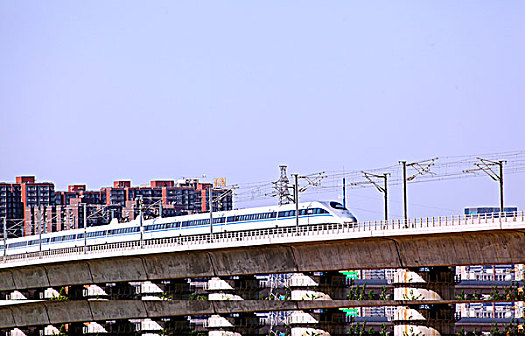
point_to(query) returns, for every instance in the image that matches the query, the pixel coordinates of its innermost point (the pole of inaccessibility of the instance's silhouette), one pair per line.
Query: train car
(310, 213)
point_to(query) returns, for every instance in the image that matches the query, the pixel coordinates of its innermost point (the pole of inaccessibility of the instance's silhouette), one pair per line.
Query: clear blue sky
(96, 91)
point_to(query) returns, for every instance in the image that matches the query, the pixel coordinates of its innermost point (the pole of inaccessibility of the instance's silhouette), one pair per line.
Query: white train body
(310, 213)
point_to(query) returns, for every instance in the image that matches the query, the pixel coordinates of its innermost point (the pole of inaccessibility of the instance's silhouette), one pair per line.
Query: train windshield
(336, 205)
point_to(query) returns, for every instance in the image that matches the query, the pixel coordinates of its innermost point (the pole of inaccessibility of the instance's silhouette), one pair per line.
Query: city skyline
(262, 193)
(96, 92)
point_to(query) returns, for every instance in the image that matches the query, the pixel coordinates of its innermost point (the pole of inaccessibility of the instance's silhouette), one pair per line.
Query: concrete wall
(468, 248)
(58, 312)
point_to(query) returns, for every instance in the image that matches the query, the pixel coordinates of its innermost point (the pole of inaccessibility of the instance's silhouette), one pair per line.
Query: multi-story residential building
(34, 194)
(37, 207)
(11, 210)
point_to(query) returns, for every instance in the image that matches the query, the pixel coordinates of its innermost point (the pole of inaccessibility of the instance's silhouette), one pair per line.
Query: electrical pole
(405, 205)
(140, 222)
(502, 208)
(296, 199)
(211, 209)
(40, 229)
(386, 197)
(344, 192)
(4, 226)
(85, 228)
(421, 168)
(486, 165)
(383, 189)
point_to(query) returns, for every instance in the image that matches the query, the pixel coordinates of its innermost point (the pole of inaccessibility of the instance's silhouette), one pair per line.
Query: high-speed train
(310, 213)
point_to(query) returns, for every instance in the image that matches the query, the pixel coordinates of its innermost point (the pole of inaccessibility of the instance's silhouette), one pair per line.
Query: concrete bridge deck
(44, 313)
(435, 242)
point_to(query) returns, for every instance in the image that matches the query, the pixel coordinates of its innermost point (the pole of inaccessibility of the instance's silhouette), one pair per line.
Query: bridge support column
(317, 286)
(121, 290)
(29, 294)
(233, 325)
(167, 326)
(236, 288)
(175, 289)
(306, 287)
(312, 287)
(429, 283)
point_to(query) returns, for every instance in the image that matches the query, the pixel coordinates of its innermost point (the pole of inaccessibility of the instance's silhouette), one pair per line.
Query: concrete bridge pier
(319, 322)
(168, 326)
(174, 289)
(235, 288)
(425, 283)
(317, 286)
(306, 287)
(26, 294)
(233, 325)
(120, 290)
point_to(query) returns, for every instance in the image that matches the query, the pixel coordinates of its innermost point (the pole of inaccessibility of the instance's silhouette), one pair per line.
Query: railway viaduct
(419, 244)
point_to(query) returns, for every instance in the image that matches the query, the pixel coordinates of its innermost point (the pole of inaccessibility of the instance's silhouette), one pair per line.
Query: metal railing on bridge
(375, 228)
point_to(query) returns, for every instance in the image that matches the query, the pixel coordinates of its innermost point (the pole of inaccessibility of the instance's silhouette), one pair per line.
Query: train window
(45, 240)
(80, 235)
(218, 220)
(17, 244)
(33, 242)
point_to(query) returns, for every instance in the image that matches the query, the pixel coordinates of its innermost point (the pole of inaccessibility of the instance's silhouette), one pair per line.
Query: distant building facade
(30, 207)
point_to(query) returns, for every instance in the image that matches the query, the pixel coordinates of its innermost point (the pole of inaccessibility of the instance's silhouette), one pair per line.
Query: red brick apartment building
(30, 207)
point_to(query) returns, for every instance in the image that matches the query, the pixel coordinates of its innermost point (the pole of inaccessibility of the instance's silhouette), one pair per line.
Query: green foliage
(359, 293)
(384, 330)
(62, 331)
(514, 328)
(411, 333)
(165, 296)
(62, 295)
(461, 296)
(411, 296)
(194, 296)
(384, 295)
